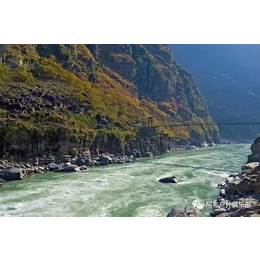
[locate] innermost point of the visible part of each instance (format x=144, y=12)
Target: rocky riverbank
x=240, y=193
x=10, y=170
x=17, y=171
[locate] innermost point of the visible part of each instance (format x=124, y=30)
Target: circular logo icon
x=198, y=204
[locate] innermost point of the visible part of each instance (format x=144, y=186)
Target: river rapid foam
x=126, y=190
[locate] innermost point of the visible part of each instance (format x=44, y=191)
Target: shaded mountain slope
x=228, y=77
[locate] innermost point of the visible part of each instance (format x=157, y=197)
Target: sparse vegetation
x=111, y=95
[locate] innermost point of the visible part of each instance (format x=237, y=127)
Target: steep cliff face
x=76, y=97
x=228, y=76
x=155, y=74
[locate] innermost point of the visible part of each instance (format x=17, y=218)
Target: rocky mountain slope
x=71, y=98
x=228, y=77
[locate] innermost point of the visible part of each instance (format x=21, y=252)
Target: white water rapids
x=126, y=190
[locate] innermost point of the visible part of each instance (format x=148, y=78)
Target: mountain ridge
x=83, y=95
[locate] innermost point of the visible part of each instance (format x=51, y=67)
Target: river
x=126, y=190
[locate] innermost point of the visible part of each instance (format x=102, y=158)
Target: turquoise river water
x=126, y=190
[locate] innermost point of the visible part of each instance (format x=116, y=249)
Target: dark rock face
x=69, y=168
x=134, y=63
x=83, y=168
x=184, y=211
x=255, y=148
x=84, y=160
x=104, y=160
x=101, y=120
x=246, y=183
x=36, y=101
x=53, y=167
x=10, y=174
x=171, y=179
x=253, y=158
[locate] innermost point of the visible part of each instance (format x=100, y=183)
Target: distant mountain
x=229, y=78
x=68, y=96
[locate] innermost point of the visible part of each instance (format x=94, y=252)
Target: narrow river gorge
x=127, y=190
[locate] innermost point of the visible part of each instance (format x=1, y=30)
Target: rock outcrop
x=171, y=179
x=184, y=211
x=69, y=168
x=10, y=174
x=10, y=171
x=84, y=161
x=240, y=194
x=53, y=167
x=255, y=148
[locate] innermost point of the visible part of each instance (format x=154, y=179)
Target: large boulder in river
x=69, y=168
x=148, y=154
x=84, y=161
x=10, y=174
x=80, y=161
x=108, y=157
x=83, y=168
x=104, y=160
x=184, y=211
x=171, y=179
x=53, y=166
